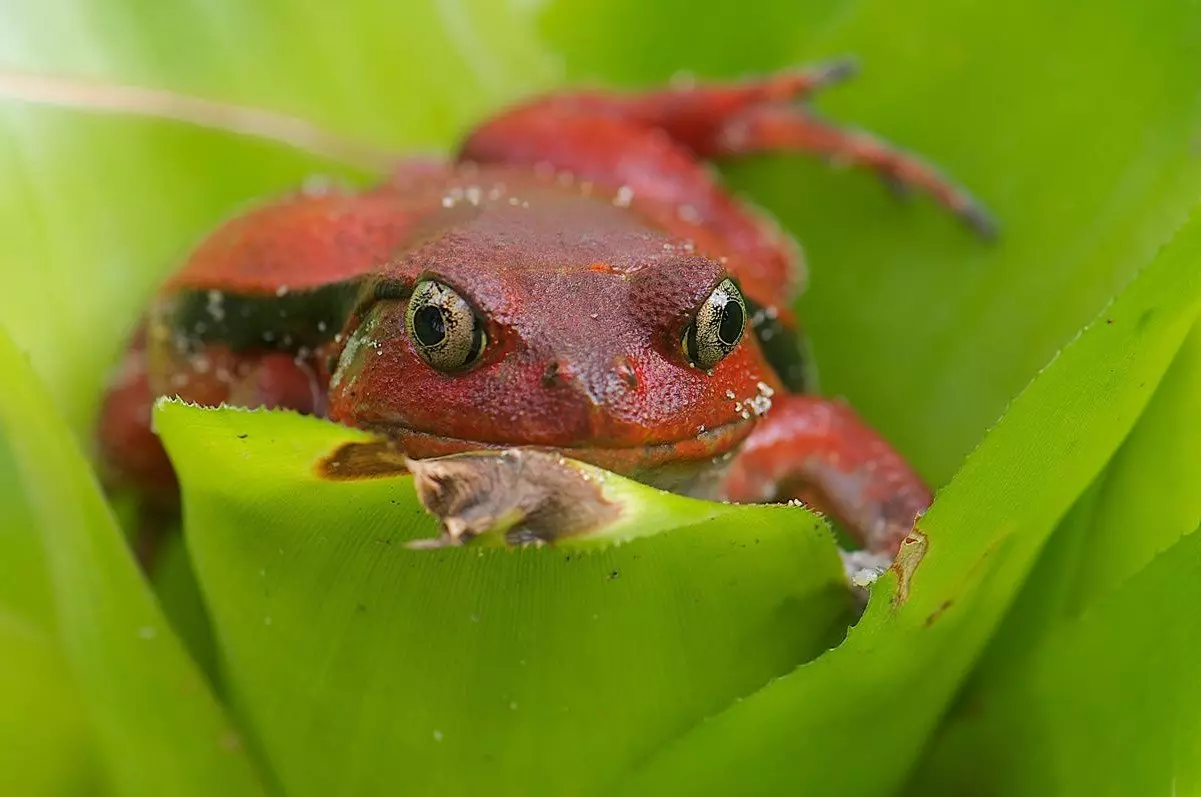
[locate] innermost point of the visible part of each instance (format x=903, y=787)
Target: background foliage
x=1077, y=123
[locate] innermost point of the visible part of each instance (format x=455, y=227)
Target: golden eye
x=446, y=331
x=718, y=326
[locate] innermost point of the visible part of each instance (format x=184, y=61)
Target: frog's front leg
x=819, y=450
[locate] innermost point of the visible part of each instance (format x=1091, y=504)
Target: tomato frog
x=575, y=280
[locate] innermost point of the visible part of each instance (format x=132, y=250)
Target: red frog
x=576, y=279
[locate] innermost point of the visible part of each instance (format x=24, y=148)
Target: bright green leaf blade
x=1141, y=504
x=160, y=730
x=45, y=744
x=470, y=670
x=1110, y=704
x=24, y=586
x=1075, y=122
x=883, y=689
x=1149, y=494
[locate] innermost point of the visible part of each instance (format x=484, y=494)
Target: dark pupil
x=429, y=326
x=730, y=326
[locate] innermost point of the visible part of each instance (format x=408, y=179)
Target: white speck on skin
x=267, y=620
x=147, y=632
x=625, y=195
x=448, y=202
x=513, y=705
x=437, y=736
x=282, y=290
x=760, y=404
x=215, y=306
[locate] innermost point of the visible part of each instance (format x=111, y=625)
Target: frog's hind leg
x=819, y=450
x=710, y=121
x=790, y=128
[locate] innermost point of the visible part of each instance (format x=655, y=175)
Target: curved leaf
x=159, y=728
x=528, y=671
x=45, y=744
x=1107, y=704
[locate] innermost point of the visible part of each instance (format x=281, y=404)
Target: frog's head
x=561, y=323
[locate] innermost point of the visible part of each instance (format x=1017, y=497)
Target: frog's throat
x=637, y=461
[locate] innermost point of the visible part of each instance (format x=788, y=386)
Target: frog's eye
x=718, y=326
x=446, y=331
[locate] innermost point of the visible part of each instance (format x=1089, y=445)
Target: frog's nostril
x=625, y=371
x=600, y=387
x=553, y=375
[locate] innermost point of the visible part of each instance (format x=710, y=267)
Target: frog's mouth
x=653, y=463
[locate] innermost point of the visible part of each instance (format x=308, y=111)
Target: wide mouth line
x=714, y=433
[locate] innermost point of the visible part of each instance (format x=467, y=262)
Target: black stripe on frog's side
x=785, y=349
x=289, y=321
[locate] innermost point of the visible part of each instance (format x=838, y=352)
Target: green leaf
x=159, y=729
x=24, y=585
x=1140, y=505
x=885, y=687
x=529, y=671
x=45, y=746
x=1108, y=704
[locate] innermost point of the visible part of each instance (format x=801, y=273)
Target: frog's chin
x=658, y=463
